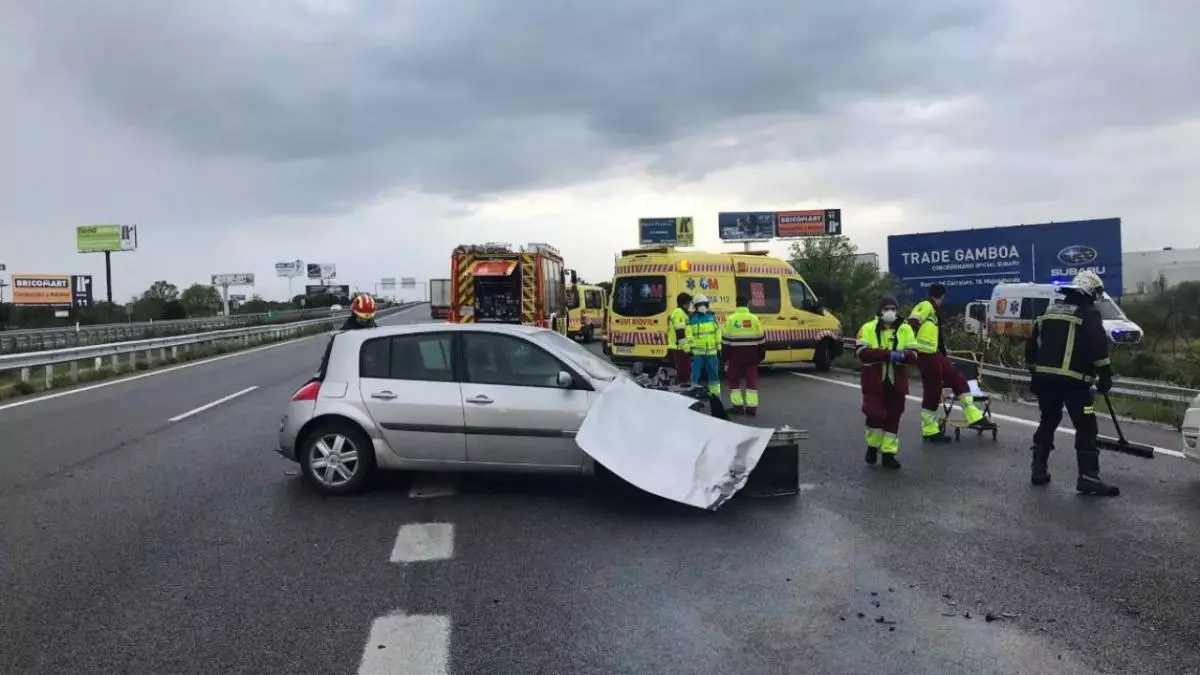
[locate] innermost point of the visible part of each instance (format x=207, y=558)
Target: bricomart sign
x=969, y=263
x=52, y=290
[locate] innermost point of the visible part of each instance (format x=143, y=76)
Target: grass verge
x=1164, y=412
x=12, y=387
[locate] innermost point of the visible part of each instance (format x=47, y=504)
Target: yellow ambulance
x=647, y=280
x=585, y=312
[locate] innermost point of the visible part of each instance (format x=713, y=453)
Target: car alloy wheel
x=334, y=460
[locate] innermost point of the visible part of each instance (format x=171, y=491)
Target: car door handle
x=480, y=400
x=383, y=395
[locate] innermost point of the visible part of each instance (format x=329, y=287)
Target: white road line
x=164, y=371
x=214, y=404
x=415, y=645
x=430, y=485
x=1000, y=416
x=423, y=542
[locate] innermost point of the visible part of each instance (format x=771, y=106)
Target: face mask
x=889, y=315
x=702, y=309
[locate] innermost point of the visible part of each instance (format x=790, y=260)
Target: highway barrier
x=1136, y=389
x=116, y=357
x=43, y=339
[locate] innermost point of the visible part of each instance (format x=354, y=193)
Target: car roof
x=434, y=327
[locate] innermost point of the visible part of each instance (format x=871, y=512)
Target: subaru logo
x=1077, y=255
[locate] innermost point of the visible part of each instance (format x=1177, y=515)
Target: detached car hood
x=653, y=440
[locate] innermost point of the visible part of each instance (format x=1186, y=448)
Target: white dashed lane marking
x=208, y=406
x=423, y=542
x=415, y=645
x=1006, y=418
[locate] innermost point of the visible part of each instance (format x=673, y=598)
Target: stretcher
x=971, y=366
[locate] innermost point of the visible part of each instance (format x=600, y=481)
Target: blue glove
x=898, y=357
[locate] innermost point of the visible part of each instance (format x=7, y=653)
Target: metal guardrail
x=25, y=362
x=62, y=337
x=1139, y=389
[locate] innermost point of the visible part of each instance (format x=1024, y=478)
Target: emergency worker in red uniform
x=743, y=346
x=886, y=346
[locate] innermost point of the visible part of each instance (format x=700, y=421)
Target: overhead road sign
x=969, y=263
x=746, y=225
x=666, y=231
x=105, y=238
x=408, y=282
x=388, y=283
x=808, y=223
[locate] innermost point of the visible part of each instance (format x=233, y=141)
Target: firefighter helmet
x=363, y=307
x=1088, y=283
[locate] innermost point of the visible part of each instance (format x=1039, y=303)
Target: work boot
x=1039, y=473
x=751, y=412
x=936, y=438
x=736, y=410
x=872, y=455
x=1089, y=482
x=985, y=424
x=889, y=461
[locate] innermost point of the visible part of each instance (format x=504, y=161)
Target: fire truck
x=498, y=283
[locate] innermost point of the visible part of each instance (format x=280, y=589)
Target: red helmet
x=363, y=307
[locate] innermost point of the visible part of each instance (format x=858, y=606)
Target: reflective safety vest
x=704, y=334
x=929, y=335
x=677, y=322
x=743, y=329
x=1068, y=340
x=870, y=336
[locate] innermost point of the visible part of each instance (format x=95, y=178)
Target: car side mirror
x=819, y=306
x=565, y=380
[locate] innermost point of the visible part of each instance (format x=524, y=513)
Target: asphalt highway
x=130, y=543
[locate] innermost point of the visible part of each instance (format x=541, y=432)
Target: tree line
x=162, y=301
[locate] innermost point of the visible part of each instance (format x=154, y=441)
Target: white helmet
x=700, y=300
x=1089, y=283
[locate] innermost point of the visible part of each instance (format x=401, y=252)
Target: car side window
x=801, y=297
x=762, y=292
x=506, y=360
x=422, y=357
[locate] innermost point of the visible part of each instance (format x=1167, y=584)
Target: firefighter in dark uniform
x=1066, y=353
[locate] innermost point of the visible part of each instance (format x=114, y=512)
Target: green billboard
x=102, y=238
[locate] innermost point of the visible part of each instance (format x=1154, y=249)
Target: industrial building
x=1150, y=272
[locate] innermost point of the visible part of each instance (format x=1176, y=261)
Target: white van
x=1013, y=308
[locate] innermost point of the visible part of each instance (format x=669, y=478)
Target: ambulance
x=647, y=280
x=1014, y=306
x=586, y=309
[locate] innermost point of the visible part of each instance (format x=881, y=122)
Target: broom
x=1120, y=443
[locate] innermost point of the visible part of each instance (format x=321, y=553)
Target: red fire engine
x=498, y=283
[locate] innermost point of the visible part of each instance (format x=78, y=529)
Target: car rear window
x=640, y=295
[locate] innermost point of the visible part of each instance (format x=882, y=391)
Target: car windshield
x=594, y=365
x=1109, y=311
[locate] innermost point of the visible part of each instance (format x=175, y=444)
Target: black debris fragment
x=892, y=629
x=873, y=594
x=966, y=615
x=949, y=613
x=989, y=617
x=886, y=622
x=861, y=615
x=875, y=603
x=891, y=590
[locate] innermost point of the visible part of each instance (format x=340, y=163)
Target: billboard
x=237, y=298
x=971, y=262
x=289, y=269
x=102, y=238
x=808, y=223
x=245, y=279
x=746, y=225
x=321, y=271
x=666, y=231
x=52, y=290
x=314, y=291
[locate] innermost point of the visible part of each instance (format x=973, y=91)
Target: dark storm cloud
x=470, y=97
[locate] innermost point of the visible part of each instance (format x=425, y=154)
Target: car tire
x=823, y=357
x=334, y=482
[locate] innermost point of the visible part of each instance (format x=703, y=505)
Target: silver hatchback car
x=443, y=397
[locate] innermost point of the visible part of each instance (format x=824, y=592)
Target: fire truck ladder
x=465, y=285
x=528, y=289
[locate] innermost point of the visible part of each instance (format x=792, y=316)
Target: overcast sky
x=377, y=134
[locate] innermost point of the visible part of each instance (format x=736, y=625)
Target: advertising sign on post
x=105, y=238
x=969, y=263
x=408, y=282
x=746, y=225
x=666, y=231
x=237, y=298
x=338, y=291
x=233, y=280
x=328, y=271
x=313, y=270
x=290, y=269
x=808, y=223
x=52, y=290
